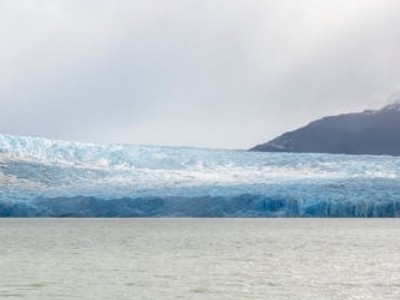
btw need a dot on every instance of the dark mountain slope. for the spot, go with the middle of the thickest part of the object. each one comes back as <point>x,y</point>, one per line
<point>369,132</point>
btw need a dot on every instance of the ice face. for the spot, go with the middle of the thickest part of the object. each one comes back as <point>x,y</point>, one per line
<point>41,177</point>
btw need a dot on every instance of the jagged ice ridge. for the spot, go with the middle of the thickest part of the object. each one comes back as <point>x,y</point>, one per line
<point>45,178</point>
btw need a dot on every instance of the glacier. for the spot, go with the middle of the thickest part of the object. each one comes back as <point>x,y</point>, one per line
<point>45,178</point>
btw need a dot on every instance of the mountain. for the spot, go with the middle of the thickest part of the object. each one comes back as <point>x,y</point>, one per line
<point>374,132</point>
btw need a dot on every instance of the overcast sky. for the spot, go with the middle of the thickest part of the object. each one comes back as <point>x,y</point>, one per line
<point>209,73</point>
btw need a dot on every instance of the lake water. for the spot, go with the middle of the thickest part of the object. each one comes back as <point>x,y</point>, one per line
<point>199,259</point>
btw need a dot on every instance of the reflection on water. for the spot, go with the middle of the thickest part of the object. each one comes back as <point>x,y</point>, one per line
<point>199,259</point>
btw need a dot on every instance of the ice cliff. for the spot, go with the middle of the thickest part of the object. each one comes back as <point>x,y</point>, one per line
<point>45,178</point>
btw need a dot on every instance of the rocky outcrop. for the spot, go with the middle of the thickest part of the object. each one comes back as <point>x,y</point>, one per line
<point>375,132</point>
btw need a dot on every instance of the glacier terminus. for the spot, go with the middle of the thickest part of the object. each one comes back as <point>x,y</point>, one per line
<point>45,178</point>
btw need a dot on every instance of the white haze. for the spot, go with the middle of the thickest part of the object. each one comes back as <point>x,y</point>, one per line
<point>212,73</point>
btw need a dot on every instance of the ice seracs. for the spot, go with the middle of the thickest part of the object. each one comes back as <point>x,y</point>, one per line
<point>41,177</point>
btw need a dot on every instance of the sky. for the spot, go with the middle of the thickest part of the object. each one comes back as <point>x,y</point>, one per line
<point>205,73</point>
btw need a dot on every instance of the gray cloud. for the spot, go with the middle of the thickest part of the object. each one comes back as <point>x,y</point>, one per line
<point>205,73</point>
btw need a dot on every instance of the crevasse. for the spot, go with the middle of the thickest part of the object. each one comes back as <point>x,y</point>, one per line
<point>42,177</point>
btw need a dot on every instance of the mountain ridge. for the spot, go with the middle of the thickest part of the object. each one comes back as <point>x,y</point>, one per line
<point>371,132</point>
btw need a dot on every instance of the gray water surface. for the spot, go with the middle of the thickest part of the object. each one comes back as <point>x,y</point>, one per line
<point>199,259</point>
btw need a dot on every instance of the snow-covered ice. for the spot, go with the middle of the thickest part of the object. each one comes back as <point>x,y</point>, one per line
<point>41,177</point>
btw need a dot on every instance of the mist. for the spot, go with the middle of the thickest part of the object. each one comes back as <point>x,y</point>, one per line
<point>225,74</point>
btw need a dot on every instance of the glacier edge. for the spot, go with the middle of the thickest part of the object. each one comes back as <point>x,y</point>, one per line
<point>44,178</point>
